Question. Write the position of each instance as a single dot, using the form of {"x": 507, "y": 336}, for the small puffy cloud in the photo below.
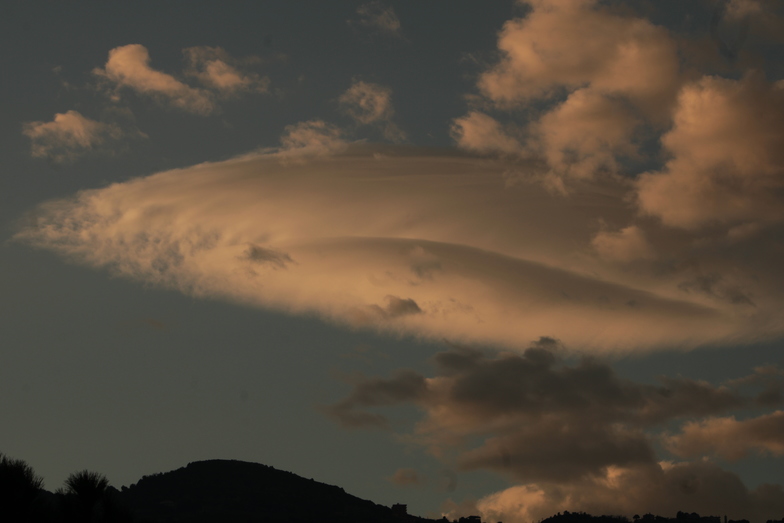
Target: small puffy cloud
{"x": 375, "y": 15}
{"x": 481, "y": 133}
{"x": 69, "y": 135}
{"x": 217, "y": 70}
{"x": 730, "y": 438}
{"x": 624, "y": 246}
{"x": 311, "y": 138}
{"x": 128, "y": 66}
{"x": 405, "y": 477}
{"x": 727, "y": 148}
{"x": 368, "y": 103}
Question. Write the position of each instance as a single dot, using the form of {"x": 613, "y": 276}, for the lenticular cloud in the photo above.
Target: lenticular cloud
{"x": 433, "y": 244}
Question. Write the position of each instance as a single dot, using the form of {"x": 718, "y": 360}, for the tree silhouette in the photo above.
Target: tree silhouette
{"x": 19, "y": 488}
{"x": 85, "y": 497}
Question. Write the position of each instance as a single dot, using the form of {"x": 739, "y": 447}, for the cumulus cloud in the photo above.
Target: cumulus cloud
{"x": 538, "y": 419}
{"x": 128, "y": 66}
{"x": 664, "y": 488}
{"x": 730, "y": 438}
{"x": 216, "y": 69}
{"x": 311, "y": 138}
{"x": 577, "y": 436}
{"x": 727, "y": 147}
{"x": 369, "y": 103}
{"x": 590, "y": 81}
{"x": 375, "y": 15}
{"x": 484, "y": 134}
{"x": 441, "y": 230}
{"x": 70, "y": 135}
{"x": 568, "y": 44}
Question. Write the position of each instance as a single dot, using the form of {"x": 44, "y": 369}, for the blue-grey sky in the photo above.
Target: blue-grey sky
{"x": 504, "y": 258}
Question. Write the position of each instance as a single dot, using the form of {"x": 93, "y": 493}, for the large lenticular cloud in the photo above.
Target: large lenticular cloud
{"x": 412, "y": 241}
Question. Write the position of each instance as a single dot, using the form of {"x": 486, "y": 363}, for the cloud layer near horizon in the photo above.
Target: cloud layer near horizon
{"x": 578, "y": 436}
{"x": 416, "y": 242}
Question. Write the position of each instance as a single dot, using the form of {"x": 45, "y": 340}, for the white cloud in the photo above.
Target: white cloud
{"x": 129, "y": 67}
{"x": 68, "y": 136}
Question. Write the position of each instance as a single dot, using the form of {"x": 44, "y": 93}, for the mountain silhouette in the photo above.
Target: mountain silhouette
{"x": 238, "y": 491}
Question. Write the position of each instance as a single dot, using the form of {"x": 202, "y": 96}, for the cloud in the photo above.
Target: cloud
{"x": 727, "y": 148}
{"x": 441, "y": 230}
{"x": 405, "y": 477}
{"x": 627, "y": 245}
{"x": 405, "y": 386}
{"x": 369, "y": 103}
{"x": 217, "y": 70}
{"x": 730, "y": 438}
{"x": 129, "y": 67}
{"x": 311, "y": 138}
{"x": 568, "y": 44}
{"x": 483, "y": 134}
{"x": 375, "y": 15}
{"x": 577, "y": 436}
{"x": 591, "y": 84}
{"x": 536, "y": 418}
{"x": 70, "y": 135}
{"x": 663, "y": 488}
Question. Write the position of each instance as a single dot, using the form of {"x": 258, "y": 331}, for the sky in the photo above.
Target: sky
{"x": 504, "y": 258}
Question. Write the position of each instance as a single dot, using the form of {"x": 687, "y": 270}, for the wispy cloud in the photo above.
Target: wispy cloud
{"x": 216, "y": 69}
{"x": 71, "y": 135}
{"x": 129, "y": 67}
{"x": 377, "y": 16}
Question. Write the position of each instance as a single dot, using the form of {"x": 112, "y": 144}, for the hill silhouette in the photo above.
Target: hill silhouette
{"x": 238, "y": 491}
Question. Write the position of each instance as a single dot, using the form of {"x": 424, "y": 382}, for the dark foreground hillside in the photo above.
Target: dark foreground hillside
{"x": 236, "y": 491}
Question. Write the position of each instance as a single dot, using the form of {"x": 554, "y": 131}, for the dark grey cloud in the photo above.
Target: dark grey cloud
{"x": 261, "y": 255}
{"x": 405, "y": 386}
{"x": 533, "y": 415}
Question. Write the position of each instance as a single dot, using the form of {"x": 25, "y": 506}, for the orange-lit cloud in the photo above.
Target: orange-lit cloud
{"x": 481, "y": 261}
{"x": 70, "y": 135}
{"x": 578, "y": 436}
{"x": 664, "y": 489}
{"x": 371, "y": 104}
{"x": 216, "y": 69}
{"x": 129, "y": 67}
{"x": 730, "y": 438}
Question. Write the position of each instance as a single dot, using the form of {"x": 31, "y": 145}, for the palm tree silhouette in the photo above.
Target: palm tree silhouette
{"x": 85, "y": 497}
